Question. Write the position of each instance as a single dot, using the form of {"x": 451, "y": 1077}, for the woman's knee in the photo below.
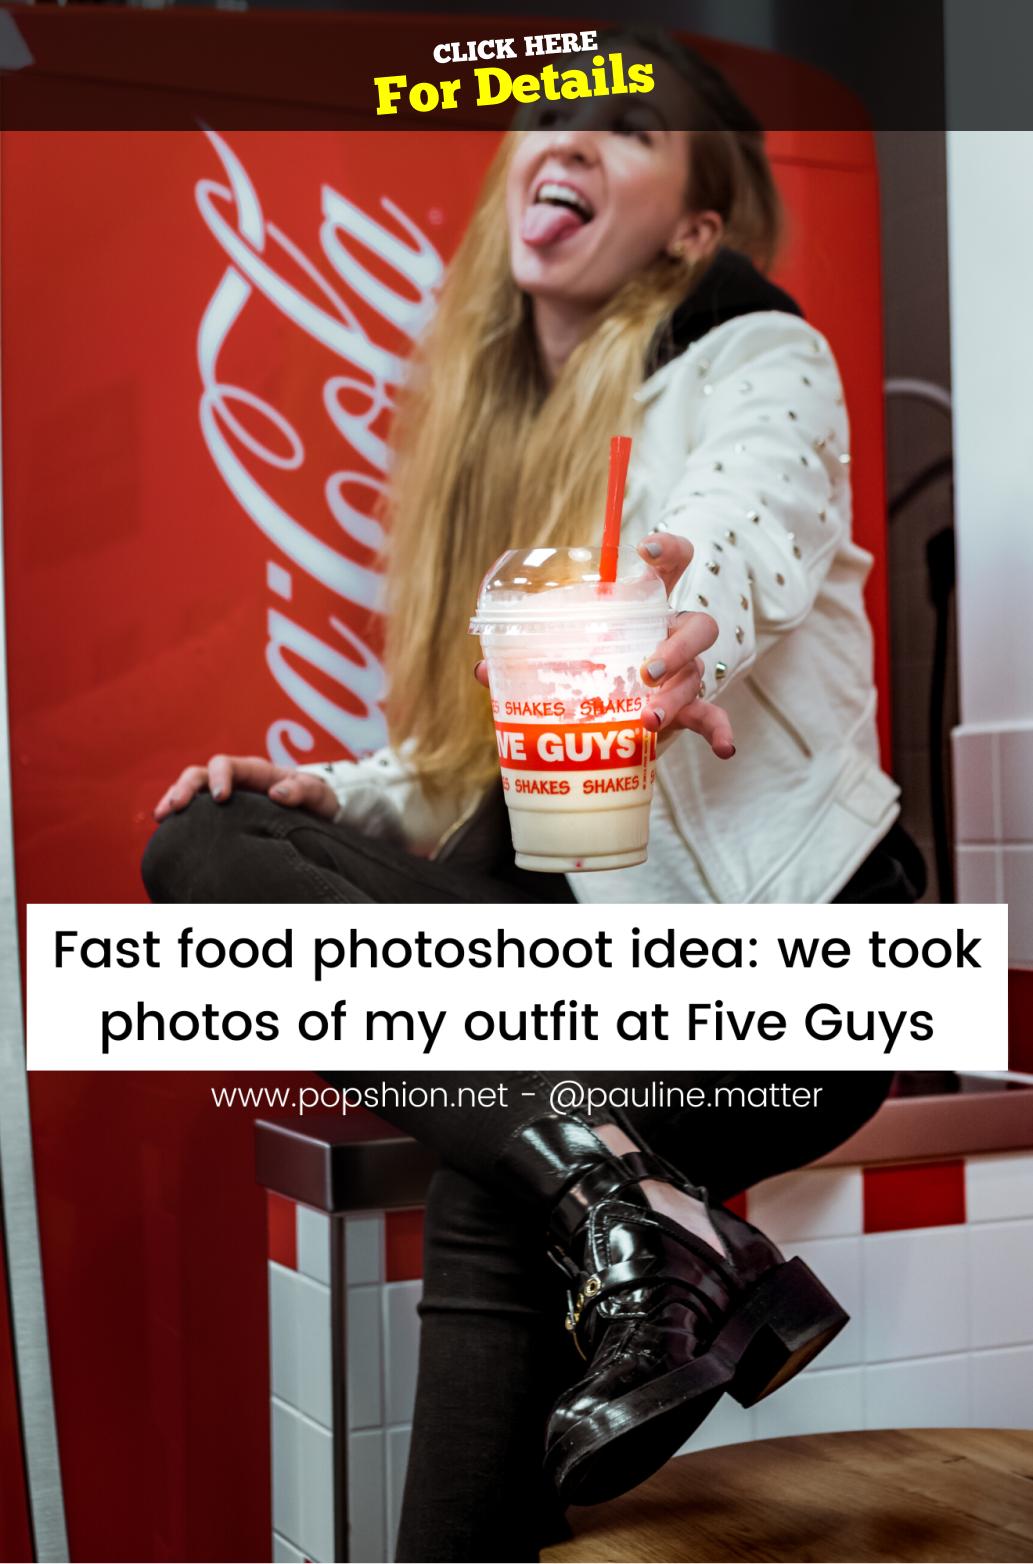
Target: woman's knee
{"x": 461, "y": 1216}
{"x": 191, "y": 856}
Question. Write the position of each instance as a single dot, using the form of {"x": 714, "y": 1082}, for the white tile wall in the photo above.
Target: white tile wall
{"x": 367, "y": 1535}
{"x": 364, "y": 1245}
{"x": 285, "y": 1552}
{"x": 365, "y": 1358}
{"x": 818, "y": 1401}
{"x": 1002, "y": 1388}
{"x": 915, "y": 1293}
{"x": 1015, "y": 771}
{"x": 364, "y": 1248}
{"x": 815, "y": 1203}
{"x": 975, "y": 805}
{"x": 299, "y": 1343}
{"x": 993, "y": 787}
{"x": 999, "y": 1187}
{"x": 312, "y": 1231}
{"x": 923, "y": 1393}
{"x": 397, "y": 1461}
{"x": 402, "y": 1332}
{"x": 1000, "y": 1282}
{"x": 977, "y": 874}
{"x": 303, "y": 1490}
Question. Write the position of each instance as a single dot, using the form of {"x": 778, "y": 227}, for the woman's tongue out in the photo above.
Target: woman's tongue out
{"x": 545, "y": 223}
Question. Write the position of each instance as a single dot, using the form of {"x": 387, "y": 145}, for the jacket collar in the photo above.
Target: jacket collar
{"x": 731, "y": 286}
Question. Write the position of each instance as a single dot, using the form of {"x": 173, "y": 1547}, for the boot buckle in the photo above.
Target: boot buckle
{"x": 575, "y": 1307}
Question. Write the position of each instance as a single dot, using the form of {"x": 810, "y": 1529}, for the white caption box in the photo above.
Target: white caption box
{"x": 96, "y": 1004}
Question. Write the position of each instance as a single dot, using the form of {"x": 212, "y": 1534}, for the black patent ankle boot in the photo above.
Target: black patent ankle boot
{"x": 665, "y": 1323}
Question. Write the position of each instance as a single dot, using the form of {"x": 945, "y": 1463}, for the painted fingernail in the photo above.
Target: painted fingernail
{"x": 659, "y": 714}
{"x": 217, "y": 793}
{"x": 654, "y": 550}
{"x": 657, "y": 668}
{"x": 280, "y": 790}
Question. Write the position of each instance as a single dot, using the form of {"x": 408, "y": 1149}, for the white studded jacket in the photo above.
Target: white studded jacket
{"x": 742, "y": 447}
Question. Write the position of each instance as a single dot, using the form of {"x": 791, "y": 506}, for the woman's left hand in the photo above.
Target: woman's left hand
{"x": 675, "y": 669}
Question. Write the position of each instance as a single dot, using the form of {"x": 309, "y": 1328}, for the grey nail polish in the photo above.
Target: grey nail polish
{"x": 217, "y": 793}
{"x": 659, "y": 713}
{"x": 654, "y": 550}
{"x": 656, "y": 669}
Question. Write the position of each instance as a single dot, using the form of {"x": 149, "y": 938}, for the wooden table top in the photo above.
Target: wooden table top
{"x": 940, "y": 1495}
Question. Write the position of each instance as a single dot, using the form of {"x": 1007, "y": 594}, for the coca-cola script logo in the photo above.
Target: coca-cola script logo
{"x": 355, "y": 402}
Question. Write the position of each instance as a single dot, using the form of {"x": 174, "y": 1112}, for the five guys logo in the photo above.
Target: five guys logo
{"x": 249, "y": 461}
{"x": 576, "y": 746}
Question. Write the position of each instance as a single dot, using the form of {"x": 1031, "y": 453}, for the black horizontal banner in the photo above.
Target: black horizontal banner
{"x": 797, "y": 64}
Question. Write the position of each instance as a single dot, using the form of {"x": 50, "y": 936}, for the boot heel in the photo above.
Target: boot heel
{"x": 786, "y": 1320}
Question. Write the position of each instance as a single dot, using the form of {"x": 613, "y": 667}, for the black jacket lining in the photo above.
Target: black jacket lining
{"x": 731, "y": 286}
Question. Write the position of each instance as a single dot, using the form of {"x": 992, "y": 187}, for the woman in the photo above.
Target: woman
{"x": 611, "y": 278}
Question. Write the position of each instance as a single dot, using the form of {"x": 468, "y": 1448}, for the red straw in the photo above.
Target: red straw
{"x": 620, "y": 453}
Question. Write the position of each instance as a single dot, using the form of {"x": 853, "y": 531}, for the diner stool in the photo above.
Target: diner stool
{"x": 892, "y": 1495}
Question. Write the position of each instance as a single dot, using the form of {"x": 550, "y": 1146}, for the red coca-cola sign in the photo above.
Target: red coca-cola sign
{"x": 205, "y": 336}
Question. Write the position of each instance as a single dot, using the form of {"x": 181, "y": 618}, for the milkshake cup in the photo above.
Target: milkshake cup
{"x": 564, "y": 649}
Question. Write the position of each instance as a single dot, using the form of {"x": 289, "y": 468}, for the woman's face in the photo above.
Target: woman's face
{"x": 588, "y": 208}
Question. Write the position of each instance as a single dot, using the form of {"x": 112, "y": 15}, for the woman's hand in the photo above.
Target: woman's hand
{"x": 293, "y": 789}
{"x": 675, "y": 669}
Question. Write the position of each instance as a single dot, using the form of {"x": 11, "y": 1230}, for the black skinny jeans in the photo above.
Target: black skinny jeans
{"x": 493, "y": 1352}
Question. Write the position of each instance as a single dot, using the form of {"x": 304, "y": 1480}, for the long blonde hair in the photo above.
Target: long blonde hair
{"x": 488, "y": 457}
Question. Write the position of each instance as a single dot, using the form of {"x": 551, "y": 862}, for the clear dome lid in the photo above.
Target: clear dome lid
{"x": 546, "y": 585}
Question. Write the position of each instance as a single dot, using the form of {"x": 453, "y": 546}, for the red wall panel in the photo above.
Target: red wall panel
{"x": 832, "y": 263}
{"x": 154, "y": 1261}
{"x": 1020, "y": 1021}
{"x": 138, "y": 606}
{"x": 403, "y": 1245}
{"x": 138, "y": 618}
